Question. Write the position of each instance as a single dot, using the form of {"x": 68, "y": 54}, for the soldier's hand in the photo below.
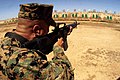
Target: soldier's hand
{"x": 71, "y": 28}
{"x": 59, "y": 42}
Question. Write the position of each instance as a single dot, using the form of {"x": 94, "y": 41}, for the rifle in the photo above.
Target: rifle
{"x": 45, "y": 43}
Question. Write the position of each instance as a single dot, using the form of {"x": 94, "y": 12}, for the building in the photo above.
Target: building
{"x": 87, "y": 16}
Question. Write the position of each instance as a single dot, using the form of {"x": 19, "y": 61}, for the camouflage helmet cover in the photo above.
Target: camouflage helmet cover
{"x": 34, "y": 11}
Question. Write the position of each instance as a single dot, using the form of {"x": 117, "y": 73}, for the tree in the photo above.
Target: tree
{"x": 55, "y": 10}
{"x": 94, "y": 10}
{"x": 74, "y": 10}
{"x": 114, "y": 12}
{"x": 106, "y": 11}
{"x": 64, "y": 10}
{"x": 84, "y": 10}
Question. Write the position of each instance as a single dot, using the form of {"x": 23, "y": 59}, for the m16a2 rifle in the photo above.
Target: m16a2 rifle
{"x": 45, "y": 43}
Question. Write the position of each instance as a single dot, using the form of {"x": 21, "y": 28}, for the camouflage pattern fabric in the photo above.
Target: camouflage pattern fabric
{"x": 24, "y": 64}
{"x": 34, "y": 11}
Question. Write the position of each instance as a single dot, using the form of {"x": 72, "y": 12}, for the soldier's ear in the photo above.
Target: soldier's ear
{"x": 35, "y": 28}
{"x": 38, "y": 30}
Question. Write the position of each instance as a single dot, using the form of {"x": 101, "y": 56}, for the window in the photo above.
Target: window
{"x": 76, "y": 15}
{"x": 72, "y": 15}
{"x": 64, "y": 15}
{"x": 97, "y": 16}
{"x": 55, "y": 16}
{"x": 93, "y": 16}
{"x": 86, "y": 16}
{"x": 110, "y": 17}
{"x": 82, "y": 15}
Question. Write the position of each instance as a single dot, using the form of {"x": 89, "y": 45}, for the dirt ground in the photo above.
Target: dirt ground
{"x": 94, "y": 50}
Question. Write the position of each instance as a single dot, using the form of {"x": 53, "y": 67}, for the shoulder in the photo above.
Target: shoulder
{"x": 4, "y": 42}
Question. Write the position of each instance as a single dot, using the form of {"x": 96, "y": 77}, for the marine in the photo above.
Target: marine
{"x": 18, "y": 63}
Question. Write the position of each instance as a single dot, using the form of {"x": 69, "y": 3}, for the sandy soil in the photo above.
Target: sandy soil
{"x": 94, "y": 51}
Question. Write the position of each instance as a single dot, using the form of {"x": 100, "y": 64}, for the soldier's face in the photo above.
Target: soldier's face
{"x": 32, "y": 28}
{"x": 40, "y": 28}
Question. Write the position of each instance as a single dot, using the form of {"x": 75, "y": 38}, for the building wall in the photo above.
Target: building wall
{"x": 98, "y": 16}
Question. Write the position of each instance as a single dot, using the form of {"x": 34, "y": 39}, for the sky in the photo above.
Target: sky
{"x": 10, "y": 8}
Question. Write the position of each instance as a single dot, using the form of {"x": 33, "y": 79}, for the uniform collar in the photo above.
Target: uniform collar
{"x": 16, "y": 36}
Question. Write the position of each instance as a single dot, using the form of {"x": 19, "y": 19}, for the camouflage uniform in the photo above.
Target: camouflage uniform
{"x": 25, "y": 64}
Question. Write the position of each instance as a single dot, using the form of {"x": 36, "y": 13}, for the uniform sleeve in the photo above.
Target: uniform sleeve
{"x": 22, "y": 63}
{"x": 59, "y": 68}
{"x": 19, "y": 63}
